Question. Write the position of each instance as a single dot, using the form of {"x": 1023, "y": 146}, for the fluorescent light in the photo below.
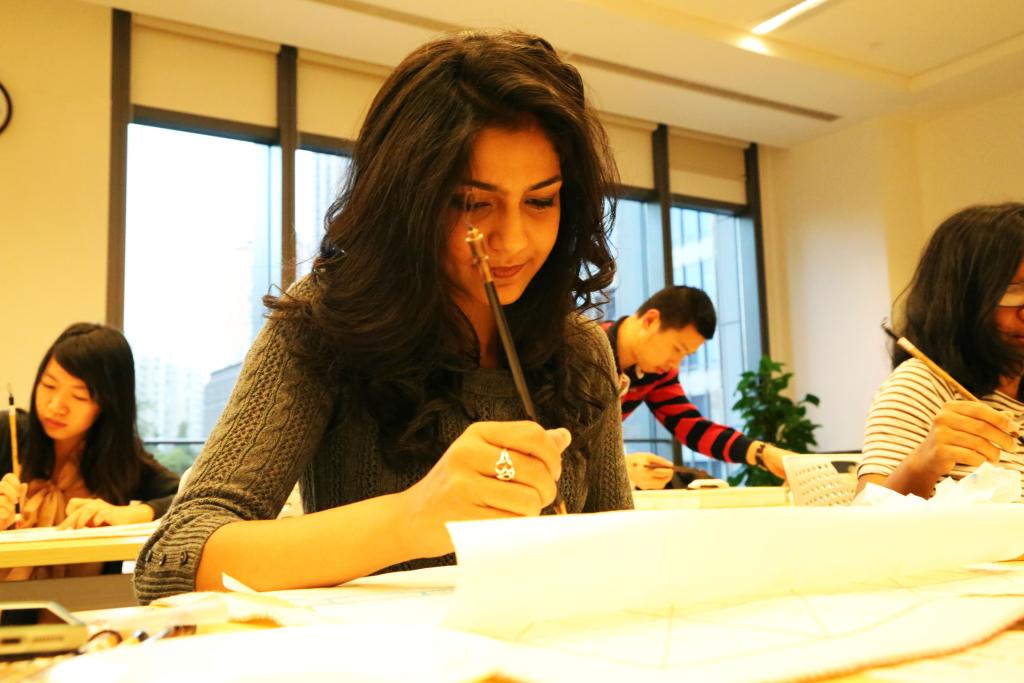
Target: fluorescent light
{"x": 785, "y": 16}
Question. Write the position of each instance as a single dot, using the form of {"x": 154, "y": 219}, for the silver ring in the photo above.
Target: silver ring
{"x": 504, "y": 468}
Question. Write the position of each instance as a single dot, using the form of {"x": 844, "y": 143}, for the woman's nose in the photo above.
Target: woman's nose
{"x": 56, "y": 404}
{"x": 507, "y": 233}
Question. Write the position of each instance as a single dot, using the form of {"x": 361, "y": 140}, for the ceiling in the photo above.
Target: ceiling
{"x": 689, "y": 63}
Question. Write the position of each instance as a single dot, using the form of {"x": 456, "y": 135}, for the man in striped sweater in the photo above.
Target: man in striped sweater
{"x": 649, "y": 347}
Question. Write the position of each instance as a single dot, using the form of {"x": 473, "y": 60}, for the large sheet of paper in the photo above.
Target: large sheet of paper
{"x": 796, "y": 637}
{"x": 729, "y": 596}
{"x": 516, "y": 572}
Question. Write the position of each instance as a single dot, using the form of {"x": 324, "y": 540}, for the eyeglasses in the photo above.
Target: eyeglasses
{"x": 1013, "y": 297}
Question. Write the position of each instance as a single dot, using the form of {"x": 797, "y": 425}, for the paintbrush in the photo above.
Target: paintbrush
{"x": 15, "y": 465}
{"x": 475, "y": 240}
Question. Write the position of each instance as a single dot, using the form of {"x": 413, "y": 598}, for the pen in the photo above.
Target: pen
{"x": 675, "y": 468}
{"x": 917, "y": 353}
{"x": 15, "y": 465}
{"x": 475, "y": 240}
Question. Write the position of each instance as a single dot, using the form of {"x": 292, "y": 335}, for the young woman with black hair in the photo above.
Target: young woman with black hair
{"x": 379, "y": 382}
{"x": 82, "y": 462}
{"x": 965, "y": 310}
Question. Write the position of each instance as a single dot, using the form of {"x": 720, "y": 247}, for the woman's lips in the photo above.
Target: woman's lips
{"x": 53, "y": 424}
{"x": 505, "y": 272}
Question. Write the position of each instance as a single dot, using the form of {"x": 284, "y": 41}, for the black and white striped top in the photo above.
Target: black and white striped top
{"x": 902, "y": 414}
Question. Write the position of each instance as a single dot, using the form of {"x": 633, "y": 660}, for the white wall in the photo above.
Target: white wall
{"x": 827, "y": 272}
{"x": 846, "y": 217}
{"x": 972, "y": 155}
{"x": 54, "y": 175}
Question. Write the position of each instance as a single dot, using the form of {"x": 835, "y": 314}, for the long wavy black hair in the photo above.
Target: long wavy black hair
{"x": 112, "y": 462}
{"x": 948, "y": 309}
{"x": 381, "y": 317}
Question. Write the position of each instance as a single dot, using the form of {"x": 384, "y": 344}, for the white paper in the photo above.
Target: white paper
{"x": 311, "y": 654}
{"x": 414, "y": 597}
{"x": 516, "y": 572}
{"x": 987, "y": 484}
{"x": 794, "y": 637}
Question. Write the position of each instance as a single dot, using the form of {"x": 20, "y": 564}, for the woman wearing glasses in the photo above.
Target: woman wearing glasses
{"x": 965, "y": 310}
{"x": 379, "y": 382}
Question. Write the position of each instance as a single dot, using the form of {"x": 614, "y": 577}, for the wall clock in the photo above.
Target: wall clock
{"x": 6, "y": 108}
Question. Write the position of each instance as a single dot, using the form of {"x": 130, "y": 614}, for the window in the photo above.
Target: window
{"x": 637, "y": 246}
{"x": 200, "y": 253}
{"x": 318, "y": 178}
{"x": 713, "y": 251}
{"x": 716, "y": 252}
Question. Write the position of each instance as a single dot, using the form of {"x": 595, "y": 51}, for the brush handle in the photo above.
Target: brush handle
{"x": 909, "y": 347}
{"x": 13, "y": 419}
{"x": 557, "y": 505}
{"x": 510, "y": 351}
{"x": 675, "y": 468}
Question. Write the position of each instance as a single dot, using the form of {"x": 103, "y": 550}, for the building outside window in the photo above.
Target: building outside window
{"x": 198, "y": 259}
{"x": 715, "y": 252}
{"x": 196, "y": 270}
{"x": 318, "y": 178}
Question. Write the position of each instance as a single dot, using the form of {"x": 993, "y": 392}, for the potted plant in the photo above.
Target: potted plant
{"x": 769, "y": 416}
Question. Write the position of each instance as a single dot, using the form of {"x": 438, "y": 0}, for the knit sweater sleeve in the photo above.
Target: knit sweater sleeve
{"x": 607, "y": 482}
{"x": 269, "y": 430}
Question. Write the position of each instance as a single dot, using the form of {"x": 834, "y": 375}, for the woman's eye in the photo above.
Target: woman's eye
{"x": 541, "y": 203}
{"x": 80, "y": 398}
{"x": 460, "y": 203}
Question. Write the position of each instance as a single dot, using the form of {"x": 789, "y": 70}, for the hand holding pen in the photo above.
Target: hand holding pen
{"x": 966, "y": 431}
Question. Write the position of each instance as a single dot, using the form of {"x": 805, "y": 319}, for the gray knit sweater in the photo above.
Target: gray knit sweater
{"x": 283, "y": 424}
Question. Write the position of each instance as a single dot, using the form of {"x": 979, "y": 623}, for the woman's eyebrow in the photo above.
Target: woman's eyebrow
{"x": 489, "y": 187}
{"x": 544, "y": 183}
{"x": 74, "y": 385}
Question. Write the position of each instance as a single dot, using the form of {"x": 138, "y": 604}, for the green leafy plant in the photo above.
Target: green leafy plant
{"x": 771, "y": 417}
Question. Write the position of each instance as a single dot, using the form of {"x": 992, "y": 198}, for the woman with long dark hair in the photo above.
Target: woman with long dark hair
{"x": 379, "y": 382}
{"x": 965, "y": 310}
{"x": 82, "y": 462}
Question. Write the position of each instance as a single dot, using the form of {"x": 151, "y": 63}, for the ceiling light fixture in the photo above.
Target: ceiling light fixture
{"x": 785, "y": 16}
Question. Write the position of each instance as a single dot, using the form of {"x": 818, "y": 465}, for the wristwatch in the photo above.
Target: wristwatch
{"x": 759, "y": 455}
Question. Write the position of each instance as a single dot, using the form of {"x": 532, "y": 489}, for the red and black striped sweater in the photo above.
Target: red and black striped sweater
{"x": 668, "y": 402}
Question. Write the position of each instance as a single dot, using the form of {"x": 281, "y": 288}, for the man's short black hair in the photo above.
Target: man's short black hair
{"x": 681, "y": 306}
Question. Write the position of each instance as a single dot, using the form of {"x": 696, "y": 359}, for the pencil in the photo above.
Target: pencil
{"x": 475, "y": 240}
{"x": 917, "y": 353}
{"x": 15, "y": 465}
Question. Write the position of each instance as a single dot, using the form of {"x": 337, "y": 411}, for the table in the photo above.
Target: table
{"x": 733, "y": 497}
{"x": 42, "y": 547}
{"x": 71, "y": 551}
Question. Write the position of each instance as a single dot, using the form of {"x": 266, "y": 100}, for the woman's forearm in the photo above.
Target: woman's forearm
{"x": 320, "y": 549}
{"x": 908, "y": 477}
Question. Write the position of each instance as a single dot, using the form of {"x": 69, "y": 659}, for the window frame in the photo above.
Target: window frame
{"x": 287, "y": 136}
